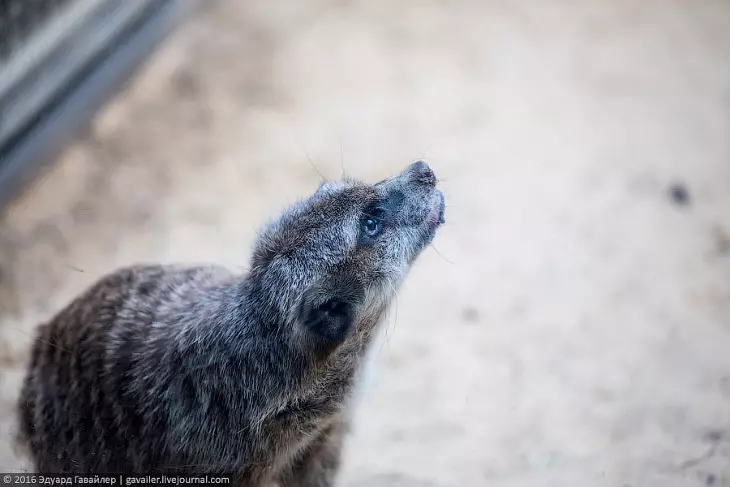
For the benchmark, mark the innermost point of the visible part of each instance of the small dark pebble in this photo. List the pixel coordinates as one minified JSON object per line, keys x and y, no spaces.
{"x":679,"y":194}
{"x":714,"y":436}
{"x":82,"y":213}
{"x":470,"y":315}
{"x":722,"y":240}
{"x":710,"y":479}
{"x":186,"y":83}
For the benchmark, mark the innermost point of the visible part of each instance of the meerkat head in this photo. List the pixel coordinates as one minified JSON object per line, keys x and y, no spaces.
{"x":334,"y":260}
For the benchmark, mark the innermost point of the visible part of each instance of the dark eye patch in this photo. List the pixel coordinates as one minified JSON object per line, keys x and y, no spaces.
{"x":394,"y":201}
{"x":386,"y":207}
{"x":379,"y":215}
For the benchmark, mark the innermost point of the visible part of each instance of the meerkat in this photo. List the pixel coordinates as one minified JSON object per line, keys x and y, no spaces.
{"x":167,"y":369}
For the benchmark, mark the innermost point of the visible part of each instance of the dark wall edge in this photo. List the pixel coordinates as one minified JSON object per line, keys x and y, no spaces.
{"x":63,"y":121}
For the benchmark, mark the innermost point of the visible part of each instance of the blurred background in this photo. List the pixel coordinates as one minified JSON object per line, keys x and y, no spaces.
{"x":572,"y":325}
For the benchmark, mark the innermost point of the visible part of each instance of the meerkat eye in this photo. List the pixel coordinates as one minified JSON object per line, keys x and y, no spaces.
{"x":371,"y":226}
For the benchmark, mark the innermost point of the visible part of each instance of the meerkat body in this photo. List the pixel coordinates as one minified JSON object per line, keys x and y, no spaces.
{"x":163,"y":369}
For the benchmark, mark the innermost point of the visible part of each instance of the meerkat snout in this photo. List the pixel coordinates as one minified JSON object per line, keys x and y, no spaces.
{"x":422,"y":173}
{"x":167,"y":369}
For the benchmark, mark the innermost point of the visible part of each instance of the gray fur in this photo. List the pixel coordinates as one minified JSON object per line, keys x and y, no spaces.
{"x":188,"y":370}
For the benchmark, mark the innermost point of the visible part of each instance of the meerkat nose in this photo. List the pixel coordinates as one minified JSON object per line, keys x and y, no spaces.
{"x":422,"y":173}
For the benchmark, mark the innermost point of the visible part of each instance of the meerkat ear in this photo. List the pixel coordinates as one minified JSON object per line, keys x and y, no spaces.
{"x":328,"y":314}
{"x":329,"y":322}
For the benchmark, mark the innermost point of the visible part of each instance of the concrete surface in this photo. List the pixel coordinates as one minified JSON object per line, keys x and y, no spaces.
{"x":573,"y":329}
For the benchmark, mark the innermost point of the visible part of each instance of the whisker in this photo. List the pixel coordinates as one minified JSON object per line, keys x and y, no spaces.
{"x":441,"y":255}
{"x":314,"y":166}
{"x":395,"y":322}
{"x":35,"y":337}
{"x":311,"y":162}
{"x":395,"y":293}
{"x":387,"y":324}
{"x":342,"y":161}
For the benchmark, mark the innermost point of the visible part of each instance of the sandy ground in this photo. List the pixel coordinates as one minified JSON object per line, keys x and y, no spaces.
{"x":573,"y":328}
